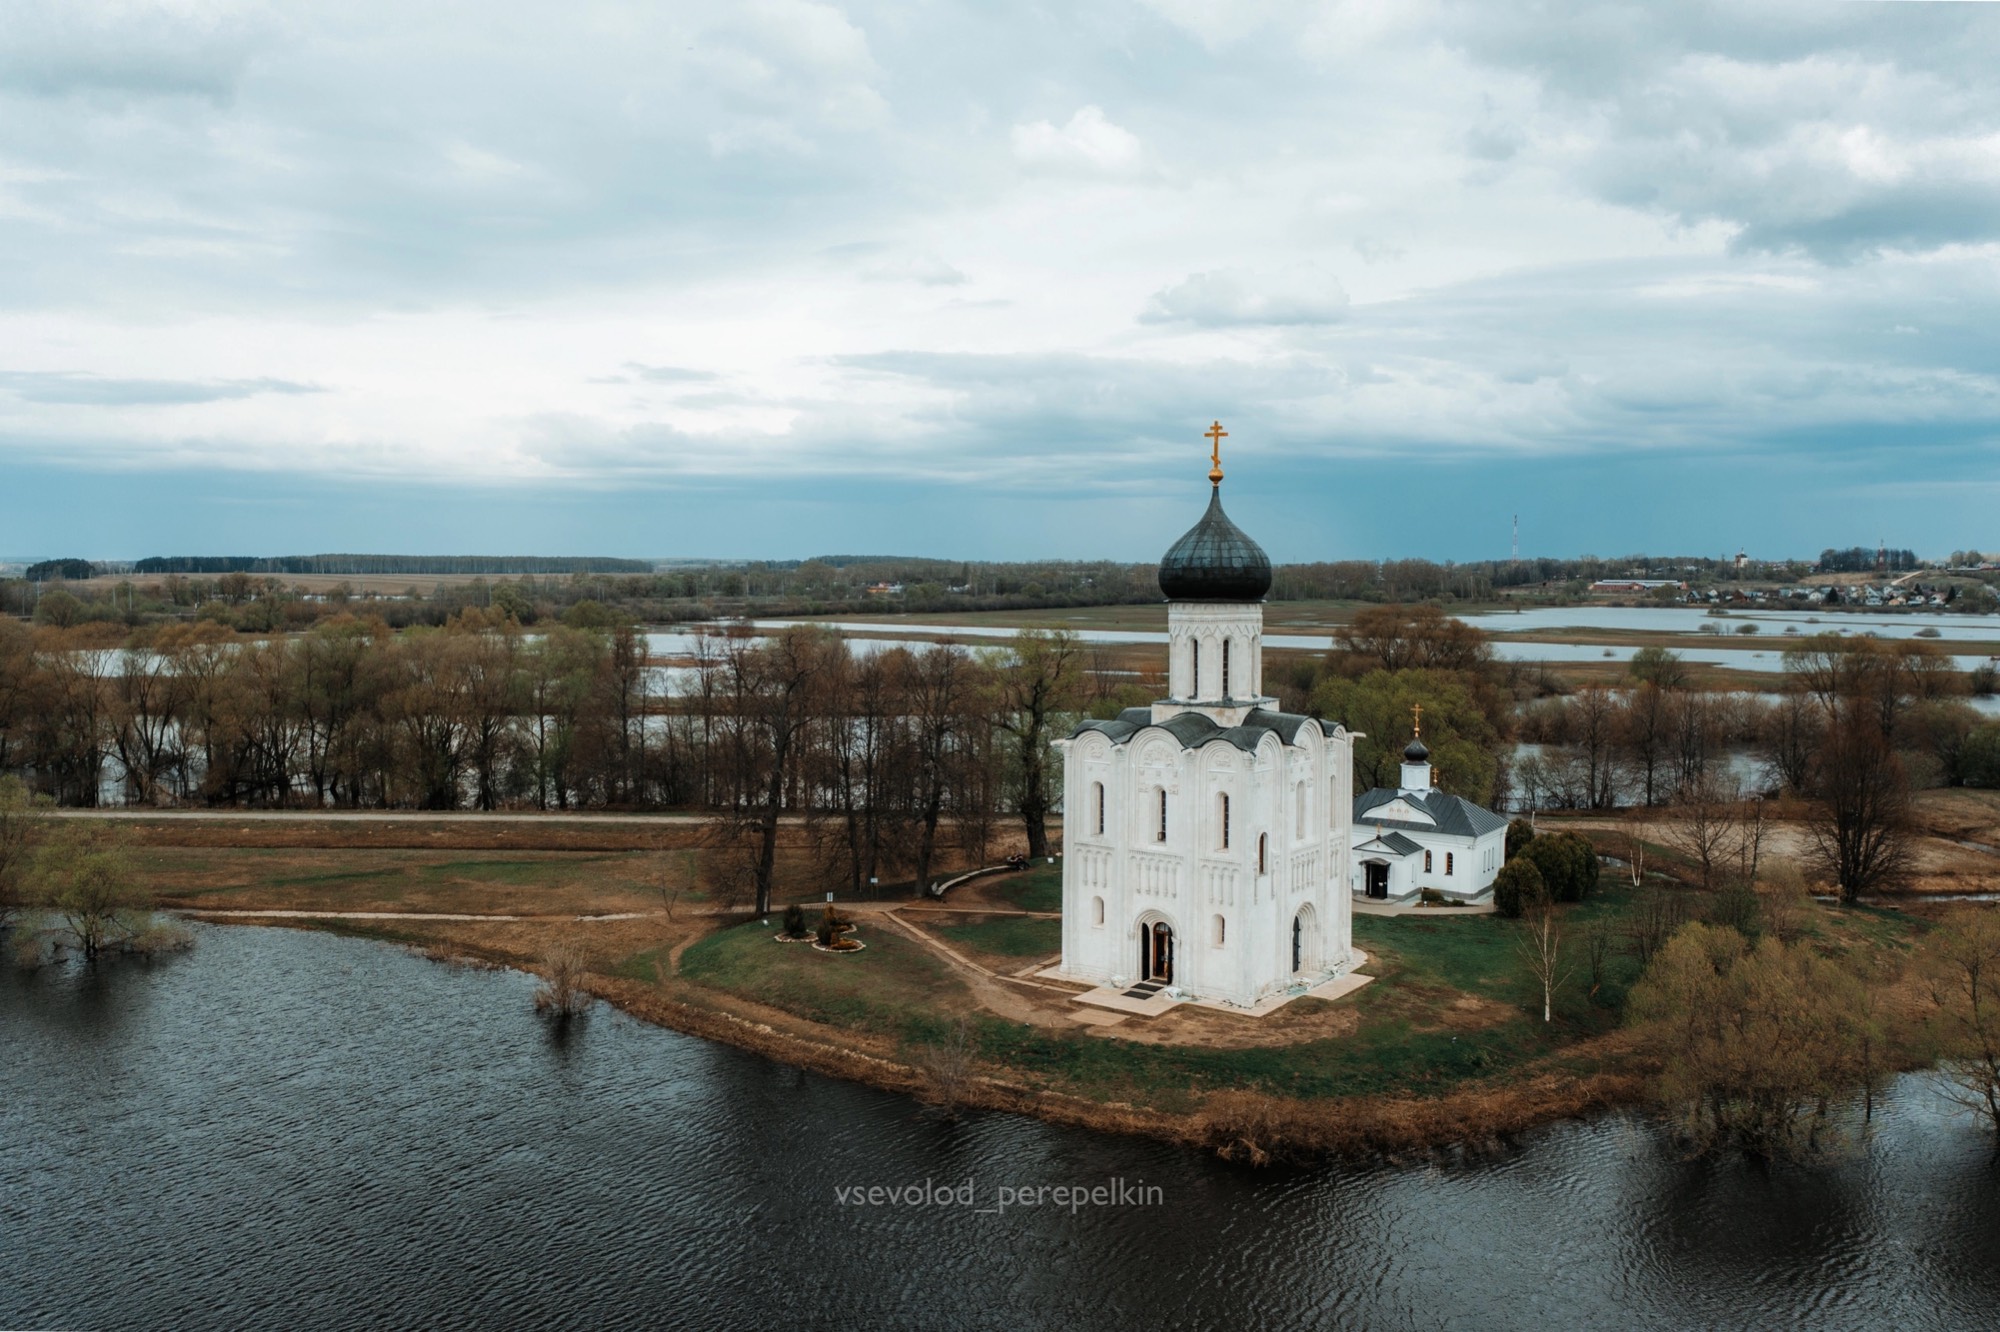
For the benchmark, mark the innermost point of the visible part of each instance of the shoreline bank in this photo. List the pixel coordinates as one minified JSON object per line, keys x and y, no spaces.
{"x":1242,"y":1125}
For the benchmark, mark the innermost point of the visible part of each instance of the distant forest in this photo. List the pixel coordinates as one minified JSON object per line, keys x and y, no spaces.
{"x":365,"y":565}
{"x":1860,"y":559}
{"x":262,"y":599}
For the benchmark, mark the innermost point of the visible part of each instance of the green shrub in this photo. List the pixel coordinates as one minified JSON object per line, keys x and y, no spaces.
{"x":795,"y":921}
{"x":1517,"y":885}
{"x":1519,"y":833}
{"x":1568,"y":864}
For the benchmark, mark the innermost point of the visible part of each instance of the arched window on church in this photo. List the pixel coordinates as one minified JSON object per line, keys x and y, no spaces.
{"x":1163,"y":816}
{"x":1097,"y":801}
{"x":1427,"y":862}
{"x":1447,"y":862}
{"x":1097,"y":911}
{"x":1225,"y":668}
{"x":1263,"y":853}
{"x":1222,"y":818}
{"x":1221,"y":931}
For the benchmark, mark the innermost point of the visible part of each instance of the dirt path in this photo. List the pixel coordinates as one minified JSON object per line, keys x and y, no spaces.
{"x":990,"y":989}
{"x":275,"y":914}
{"x":378,"y":816}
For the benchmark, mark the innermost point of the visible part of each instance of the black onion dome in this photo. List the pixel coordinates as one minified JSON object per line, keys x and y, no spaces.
{"x":1415,"y":752}
{"x":1215,"y":561}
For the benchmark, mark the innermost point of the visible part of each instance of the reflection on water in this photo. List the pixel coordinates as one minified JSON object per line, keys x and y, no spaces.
{"x":291,"y":1130}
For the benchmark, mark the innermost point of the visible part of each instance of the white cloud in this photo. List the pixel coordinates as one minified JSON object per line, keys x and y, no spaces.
{"x":926,"y":270}
{"x":1363,"y":225}
{"x":1301,"y":294}
{"x":1089,"y":144}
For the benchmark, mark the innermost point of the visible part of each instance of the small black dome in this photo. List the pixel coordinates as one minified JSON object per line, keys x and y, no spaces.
{"x":1215,"y":561}
{"x":1415,"y":752}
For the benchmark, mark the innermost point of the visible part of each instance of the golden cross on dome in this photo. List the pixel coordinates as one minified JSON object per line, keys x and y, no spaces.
{"x":1416,"y":720}
{"x":1215,"y":434}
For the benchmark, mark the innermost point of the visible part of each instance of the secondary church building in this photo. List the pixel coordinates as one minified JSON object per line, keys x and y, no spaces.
{"x":1207,"y":837}
{"x":1417,"y":837}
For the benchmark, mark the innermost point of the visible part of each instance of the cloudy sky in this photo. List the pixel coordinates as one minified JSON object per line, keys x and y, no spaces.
{"x":777,"y":278}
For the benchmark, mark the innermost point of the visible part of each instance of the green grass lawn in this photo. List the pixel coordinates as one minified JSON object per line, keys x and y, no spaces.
{"x":1036,"y":889}
{"x":1006,"y":936}
{"x":897,"y":989}
{"x":1415,"y":1033}
{"x":893,"y":987}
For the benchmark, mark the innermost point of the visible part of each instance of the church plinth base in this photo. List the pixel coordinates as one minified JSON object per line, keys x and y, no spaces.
{"x":1152,"y":1006}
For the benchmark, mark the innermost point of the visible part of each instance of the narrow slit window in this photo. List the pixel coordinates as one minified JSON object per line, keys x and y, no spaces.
{"x":1097,"y":790}
{"x":1163,"y":817}
{"x":1263,"y":850}
{"x":1447,"y":862}
{"x":1427,"y":862}
{"x":1225,"y":668}
{"x":1225,"y":822}
{"x":1195,"y":647}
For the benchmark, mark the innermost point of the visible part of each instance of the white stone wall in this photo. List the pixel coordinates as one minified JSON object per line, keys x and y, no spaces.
{"x":1297,"y":798}
{"x":1476,"y":863}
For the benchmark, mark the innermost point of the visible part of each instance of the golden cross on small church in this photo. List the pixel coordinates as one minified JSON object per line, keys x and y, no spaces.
{"x":1416,"y":719}
{"x":1215,"y":434}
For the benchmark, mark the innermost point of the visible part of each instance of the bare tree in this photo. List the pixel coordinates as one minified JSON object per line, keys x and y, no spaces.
{"x":1785,"y":900}
{"x":1598,"y":937}
{"x":1792,"y":732}
{"x":1038,"y":679}
{"x":1860,"y":824}
{"x":1752,"y":829}
{"x":1636,"y":828}
{"x":770,"y":693}
{"x":20,"y":824}
{"x":1655,"y":918}
{"x":1597,"y":719}
{"x":1541,"y":946}
{"x":939,"y":685}
{"x":564,"y":993}
{"x":1706,"y":826}
{"x":946,"y":1066}
{"x":1965,"y":962}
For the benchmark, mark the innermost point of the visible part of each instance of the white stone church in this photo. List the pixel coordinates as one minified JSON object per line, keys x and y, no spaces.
{"x":1207,"y":837}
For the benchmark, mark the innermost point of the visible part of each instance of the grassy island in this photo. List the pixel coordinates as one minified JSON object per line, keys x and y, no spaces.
{"x":1446,"y":1046}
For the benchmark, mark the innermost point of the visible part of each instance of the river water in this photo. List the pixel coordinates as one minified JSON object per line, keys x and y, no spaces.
{"x":1764,"y":654}
{"x":290,"y":1130}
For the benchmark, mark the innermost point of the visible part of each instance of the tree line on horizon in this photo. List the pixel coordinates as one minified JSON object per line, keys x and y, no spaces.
{"x":261,"y":600}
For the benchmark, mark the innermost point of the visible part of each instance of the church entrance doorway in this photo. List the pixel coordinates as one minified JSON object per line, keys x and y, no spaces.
{"x":1305,"y":941}
{"x":1156,"y":952}
{"x":1378,"y":878}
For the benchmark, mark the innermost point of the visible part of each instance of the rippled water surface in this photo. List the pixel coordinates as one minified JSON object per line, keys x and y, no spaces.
{"x":290,"y":1130}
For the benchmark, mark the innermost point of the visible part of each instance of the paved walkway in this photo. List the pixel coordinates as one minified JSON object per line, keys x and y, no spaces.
{"x":1414,"y":908}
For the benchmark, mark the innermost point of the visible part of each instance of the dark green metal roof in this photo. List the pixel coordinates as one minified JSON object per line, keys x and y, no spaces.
{"x":1215,"y":561}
